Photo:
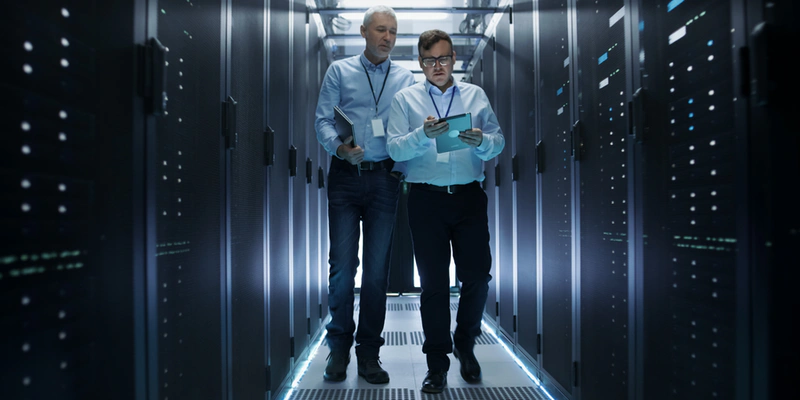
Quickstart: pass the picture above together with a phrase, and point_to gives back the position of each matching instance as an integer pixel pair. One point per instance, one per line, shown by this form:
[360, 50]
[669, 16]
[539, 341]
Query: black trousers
[439, 220]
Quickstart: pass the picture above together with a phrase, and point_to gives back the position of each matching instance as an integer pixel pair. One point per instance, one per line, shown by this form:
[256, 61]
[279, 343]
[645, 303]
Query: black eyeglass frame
[443, 61]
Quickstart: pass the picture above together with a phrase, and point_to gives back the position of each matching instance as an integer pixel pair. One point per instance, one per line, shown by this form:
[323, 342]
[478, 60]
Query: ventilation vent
[355, 394]
[454, 306]
[412, 307]
[395, 307]
[477, 393]
[486, 393]
[417, 338]
[395, 338]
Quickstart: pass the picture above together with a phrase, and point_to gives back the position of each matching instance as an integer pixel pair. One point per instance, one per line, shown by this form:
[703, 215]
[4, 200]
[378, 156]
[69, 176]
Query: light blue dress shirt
[346, 85]
[406, 140]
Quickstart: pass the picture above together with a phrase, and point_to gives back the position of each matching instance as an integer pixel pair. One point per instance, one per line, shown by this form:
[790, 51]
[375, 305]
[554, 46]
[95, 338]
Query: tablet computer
[450, 141]
[344, 126]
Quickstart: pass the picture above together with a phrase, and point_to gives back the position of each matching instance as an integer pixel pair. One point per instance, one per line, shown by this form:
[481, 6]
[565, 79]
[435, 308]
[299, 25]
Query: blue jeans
[369, 199]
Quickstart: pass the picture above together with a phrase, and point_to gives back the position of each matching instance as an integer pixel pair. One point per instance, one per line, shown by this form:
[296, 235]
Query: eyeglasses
[430, 62]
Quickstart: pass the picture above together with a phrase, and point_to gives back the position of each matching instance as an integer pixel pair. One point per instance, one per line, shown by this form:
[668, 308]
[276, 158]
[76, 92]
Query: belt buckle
[449, 190]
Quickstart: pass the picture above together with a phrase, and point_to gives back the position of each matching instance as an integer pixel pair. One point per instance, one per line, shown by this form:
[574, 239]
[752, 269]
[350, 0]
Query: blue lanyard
[372, 90]
[448, 107]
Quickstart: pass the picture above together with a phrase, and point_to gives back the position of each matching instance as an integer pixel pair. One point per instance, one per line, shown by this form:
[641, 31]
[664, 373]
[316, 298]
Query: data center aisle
[401, 356]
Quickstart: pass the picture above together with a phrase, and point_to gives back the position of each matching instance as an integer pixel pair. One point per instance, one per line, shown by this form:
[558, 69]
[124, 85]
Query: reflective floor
[402, 357]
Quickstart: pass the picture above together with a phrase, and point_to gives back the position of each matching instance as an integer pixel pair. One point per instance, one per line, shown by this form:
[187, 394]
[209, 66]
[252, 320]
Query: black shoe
[470, 369]
[434, 382]
[372, 372]
[336, 370]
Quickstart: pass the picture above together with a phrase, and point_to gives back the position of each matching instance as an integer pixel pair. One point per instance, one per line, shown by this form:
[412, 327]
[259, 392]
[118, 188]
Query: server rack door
[490, 168]
[505, 192]
[298, 202]
[525, 136]
[477, 72]
[323, 206]
[313, 54]
[247, 192]
[689, 203]
[774, 215]
[603, 91]
[556, 193]
[185, 312]
[278, 91]
[68, 172]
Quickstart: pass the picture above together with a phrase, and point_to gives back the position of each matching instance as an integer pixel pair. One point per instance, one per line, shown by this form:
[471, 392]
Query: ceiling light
[418, 16]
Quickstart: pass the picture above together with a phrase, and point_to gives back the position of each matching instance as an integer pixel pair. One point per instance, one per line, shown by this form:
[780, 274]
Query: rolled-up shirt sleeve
[493, 139]
[404, 141]
[324, 124]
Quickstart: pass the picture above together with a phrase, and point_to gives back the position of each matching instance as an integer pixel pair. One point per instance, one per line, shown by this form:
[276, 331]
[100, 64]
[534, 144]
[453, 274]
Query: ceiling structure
[467, 22]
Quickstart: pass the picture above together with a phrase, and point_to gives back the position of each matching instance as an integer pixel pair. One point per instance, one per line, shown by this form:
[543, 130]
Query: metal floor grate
[418, 337]
[405, 307]
[394, 338]
[476, 393]
[355, 394]
[486, 393]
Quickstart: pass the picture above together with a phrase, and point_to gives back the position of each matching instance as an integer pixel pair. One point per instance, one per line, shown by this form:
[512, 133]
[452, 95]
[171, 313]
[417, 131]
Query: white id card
[443, 158]
[377, 127]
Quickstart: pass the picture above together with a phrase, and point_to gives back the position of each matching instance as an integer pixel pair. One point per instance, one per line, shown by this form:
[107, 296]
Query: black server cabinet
[278, 90]
[315, 262]
[186, 284]
[324, 237]
[489, 184]
[774, 216]
[555, 125]
[503, 106]
[298, 202]
[526, 152]
[689, 200]
[72, 238]
[247, 179]
[601, 141]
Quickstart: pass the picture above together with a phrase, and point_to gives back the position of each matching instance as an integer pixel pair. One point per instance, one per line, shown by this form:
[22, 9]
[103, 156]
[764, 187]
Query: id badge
[377, 127]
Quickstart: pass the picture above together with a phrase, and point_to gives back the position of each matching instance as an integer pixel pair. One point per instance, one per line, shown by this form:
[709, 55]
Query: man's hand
[472, 137]
[353, 155]
[433, 128]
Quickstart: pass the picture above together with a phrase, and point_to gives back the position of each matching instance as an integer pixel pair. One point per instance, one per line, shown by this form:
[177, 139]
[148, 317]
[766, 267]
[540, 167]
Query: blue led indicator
[691, 128]
[559, 91]
[610, 109]
[710, 43]
[602, 58]
[691, 115]
[672, 4]
[641, 26]
[691, 101]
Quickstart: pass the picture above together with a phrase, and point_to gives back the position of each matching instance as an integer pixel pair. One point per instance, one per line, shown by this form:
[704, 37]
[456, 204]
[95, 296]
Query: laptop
[450, 141]
[344, 126]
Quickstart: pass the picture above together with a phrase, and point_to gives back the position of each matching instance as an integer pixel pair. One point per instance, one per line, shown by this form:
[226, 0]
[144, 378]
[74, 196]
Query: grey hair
[380, 10]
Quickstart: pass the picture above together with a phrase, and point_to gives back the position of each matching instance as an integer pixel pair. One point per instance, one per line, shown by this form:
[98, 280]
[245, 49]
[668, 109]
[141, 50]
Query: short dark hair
[430, 37]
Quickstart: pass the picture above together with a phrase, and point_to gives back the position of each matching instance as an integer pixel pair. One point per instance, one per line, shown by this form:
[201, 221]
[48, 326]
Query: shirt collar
[372, 67]
[431, 88]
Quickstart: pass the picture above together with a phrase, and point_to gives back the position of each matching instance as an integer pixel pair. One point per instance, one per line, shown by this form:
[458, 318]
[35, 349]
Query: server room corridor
[165, 218]
[504, 376]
